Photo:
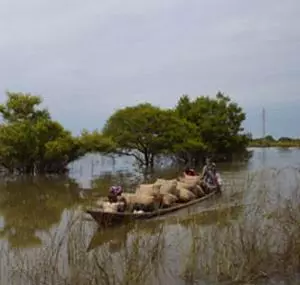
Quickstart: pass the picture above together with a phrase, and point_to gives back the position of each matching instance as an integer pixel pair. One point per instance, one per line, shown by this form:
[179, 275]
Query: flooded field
[250, 233]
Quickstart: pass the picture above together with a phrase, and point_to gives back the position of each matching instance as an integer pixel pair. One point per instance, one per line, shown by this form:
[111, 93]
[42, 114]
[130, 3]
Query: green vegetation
[269, 141]
[145, 131]
[218, 122]
[190, 131]
[32, 142]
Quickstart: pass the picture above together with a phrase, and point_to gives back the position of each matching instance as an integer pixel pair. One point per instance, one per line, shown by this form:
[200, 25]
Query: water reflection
[116, 237]
[221, 216]
[112, 236]
[30, 205]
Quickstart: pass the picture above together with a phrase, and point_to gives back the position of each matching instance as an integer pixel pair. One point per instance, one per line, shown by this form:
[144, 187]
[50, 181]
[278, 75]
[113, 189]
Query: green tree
[96, 142]
[21, 107]
[269, 138]
[31, 142]
[218, 122]
[145, 131]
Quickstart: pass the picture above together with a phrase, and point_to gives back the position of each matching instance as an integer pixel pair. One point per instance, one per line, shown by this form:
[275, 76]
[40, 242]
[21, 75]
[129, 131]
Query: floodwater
[46, 239]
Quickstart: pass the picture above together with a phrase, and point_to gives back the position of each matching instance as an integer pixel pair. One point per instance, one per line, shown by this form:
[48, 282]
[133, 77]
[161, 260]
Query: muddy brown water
[45, 239]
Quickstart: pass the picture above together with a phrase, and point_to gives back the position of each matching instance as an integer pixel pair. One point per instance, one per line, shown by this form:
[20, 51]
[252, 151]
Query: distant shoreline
[274, 144]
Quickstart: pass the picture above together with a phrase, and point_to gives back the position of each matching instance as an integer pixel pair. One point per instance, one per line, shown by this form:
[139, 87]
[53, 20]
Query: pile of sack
[161, 194]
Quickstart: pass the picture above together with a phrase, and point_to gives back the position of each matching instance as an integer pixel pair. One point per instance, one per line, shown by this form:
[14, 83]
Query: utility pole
[264, 135]
[263, 123]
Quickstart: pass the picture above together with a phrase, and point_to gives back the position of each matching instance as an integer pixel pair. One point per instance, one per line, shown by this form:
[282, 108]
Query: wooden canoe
[107, 219]
[116, 236]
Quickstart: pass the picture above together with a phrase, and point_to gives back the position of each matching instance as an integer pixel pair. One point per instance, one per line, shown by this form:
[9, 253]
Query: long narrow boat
[106, 219]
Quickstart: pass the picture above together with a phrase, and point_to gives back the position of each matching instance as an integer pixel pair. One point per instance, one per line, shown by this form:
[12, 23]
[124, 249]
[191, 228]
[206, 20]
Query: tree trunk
[152, 163]
[146, 159]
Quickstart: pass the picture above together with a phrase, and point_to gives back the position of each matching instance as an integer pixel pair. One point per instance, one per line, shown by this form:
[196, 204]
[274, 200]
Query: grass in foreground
[259, 242]
[263, 243]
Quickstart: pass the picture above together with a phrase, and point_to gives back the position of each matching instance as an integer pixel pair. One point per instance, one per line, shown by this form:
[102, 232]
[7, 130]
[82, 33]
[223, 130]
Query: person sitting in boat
[190, 172]
[114, 192]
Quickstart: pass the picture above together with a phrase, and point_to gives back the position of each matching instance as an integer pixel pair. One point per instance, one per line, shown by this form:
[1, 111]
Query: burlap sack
[168, 200]
[148, 189]
[185, 195]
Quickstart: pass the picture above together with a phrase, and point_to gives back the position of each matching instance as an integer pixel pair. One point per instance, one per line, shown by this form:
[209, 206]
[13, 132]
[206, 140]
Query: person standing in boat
[209, 176]
[206, 168]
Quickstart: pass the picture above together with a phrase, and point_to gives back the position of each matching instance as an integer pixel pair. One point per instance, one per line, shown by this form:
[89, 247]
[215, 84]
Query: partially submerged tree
[31, 142]
[145, 131]
[218, 122]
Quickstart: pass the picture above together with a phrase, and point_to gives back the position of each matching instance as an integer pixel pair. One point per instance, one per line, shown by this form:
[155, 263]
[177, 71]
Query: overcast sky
[87, 58]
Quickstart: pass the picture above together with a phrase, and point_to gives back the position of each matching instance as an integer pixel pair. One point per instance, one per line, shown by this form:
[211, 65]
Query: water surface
[36, 215]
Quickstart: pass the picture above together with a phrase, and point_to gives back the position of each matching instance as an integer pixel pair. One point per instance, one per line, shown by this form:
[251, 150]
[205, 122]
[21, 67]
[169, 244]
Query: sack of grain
[198, 191]
[194, 188]
[168, 200]
[148, 189]
[141, 202]
[159, 182]
[185, 195]
[169, 187]
[185, 185]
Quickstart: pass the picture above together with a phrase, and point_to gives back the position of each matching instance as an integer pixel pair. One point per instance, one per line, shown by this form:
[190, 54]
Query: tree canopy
[218, 122]
[193, 129]
[145, 131]
[31, 142]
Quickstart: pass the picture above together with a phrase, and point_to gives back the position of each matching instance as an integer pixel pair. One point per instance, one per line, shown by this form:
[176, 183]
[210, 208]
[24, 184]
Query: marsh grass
[264, 242]
[65, 260]
[256, 238]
